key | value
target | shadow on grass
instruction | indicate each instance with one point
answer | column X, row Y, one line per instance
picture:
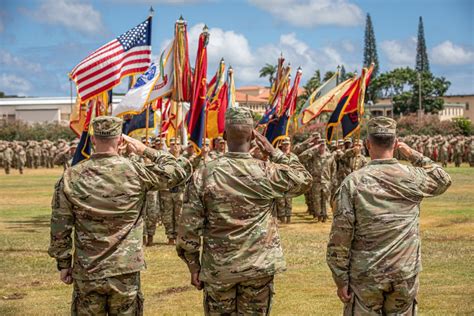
column 28, row 225
column 172, row 290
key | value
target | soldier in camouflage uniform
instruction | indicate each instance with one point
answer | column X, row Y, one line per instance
column 231, row 207
column 172, row 199
column 374, row 244
column 3, row 146
column 101, row 199
column 20, row 157
column 298, row 150
column 36, row 151
column 323, row 170
column 458, row 151
column 219, row 149
column 284, row 205
column 8, row 158
column 471, row 152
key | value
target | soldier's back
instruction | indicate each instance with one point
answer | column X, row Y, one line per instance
column 107, row 196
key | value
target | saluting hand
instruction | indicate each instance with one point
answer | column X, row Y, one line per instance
column 134, row 146
column 265, row 146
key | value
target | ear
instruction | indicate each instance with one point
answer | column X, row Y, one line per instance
column 367, row 143
column 395, row 144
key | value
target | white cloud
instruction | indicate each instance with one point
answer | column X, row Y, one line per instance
column 448, row 53
column 8, row 60
column 400, row 53
column 71, row 14
column 310, row 13
column 248, row 61
column 12, row 84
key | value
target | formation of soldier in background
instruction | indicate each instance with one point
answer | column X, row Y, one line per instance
column 36, row 154
column 442, row 149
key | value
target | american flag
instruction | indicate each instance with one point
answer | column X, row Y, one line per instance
column 128, row 54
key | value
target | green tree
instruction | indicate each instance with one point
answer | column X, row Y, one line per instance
column 328, row 75
column 464, row 125
column 2, row 94
column 370, row 47
column 422, row 63
column 401, row 84
column 268, row 71
column 370, row 56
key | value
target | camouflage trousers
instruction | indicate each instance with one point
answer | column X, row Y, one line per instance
column 117, row 295
column 252, row 297
column 308, row 200
column 7, row 165
column 457, row 159
column 320, row 194
column 152, row 213
column 390, row 298
column 284, row 206
column 171, row 206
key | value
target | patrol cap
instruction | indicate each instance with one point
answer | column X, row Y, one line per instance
column 174, row 140
column 107, row 126
column 207, row 141
column 348, row 141
column 238, row 116
column 219, row 140
column 316, row 134
column 321, row 141
column 382, row 125
column 286, row 141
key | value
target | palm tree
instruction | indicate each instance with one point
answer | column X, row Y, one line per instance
column 268, row 70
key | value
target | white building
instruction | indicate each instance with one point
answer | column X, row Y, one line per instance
column 452, row 110
column 34, row 110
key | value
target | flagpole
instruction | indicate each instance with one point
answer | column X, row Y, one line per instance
column 147, row 118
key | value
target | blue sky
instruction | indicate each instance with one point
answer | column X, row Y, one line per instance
column 42, row 40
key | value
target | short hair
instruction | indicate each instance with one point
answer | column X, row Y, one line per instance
column 384, row 141
column 106, row 140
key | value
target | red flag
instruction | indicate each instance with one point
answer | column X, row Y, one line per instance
column 197, row 114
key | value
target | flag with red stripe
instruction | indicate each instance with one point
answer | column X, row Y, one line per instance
column 128, row 54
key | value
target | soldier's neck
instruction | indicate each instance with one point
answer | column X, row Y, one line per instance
column 381, row 155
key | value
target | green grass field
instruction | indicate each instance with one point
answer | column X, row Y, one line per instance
column 29, row 282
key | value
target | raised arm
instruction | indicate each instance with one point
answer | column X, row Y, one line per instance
column 431, row 178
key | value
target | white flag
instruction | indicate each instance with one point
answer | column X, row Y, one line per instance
column 156, row 81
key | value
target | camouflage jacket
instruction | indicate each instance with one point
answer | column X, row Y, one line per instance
column 322, row 167
column 103, row 199
column 230, row 205
column 375, row 231
column 8, row 154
